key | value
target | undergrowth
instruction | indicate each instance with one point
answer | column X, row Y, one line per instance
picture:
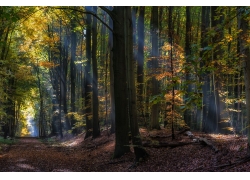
column 7, row 141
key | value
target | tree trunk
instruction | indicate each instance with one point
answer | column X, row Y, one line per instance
column 73, row 73
column 187, row 113
column 95, row 103
column 216, row 56
column 170, row 40
column 154, row 67
column 136, row 140
column 60, row 83
column 112, row 96
column 245, row 61
column 64, row 88
column 87, row 79
column 238, row 81
column 120, row 86
column 140, row 57
column 205, row 22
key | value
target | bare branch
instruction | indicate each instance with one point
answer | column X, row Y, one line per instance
column 87, row 12
column 110, row 13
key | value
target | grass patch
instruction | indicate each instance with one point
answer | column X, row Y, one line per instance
column 7, row 141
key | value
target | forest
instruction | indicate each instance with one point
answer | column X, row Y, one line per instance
column 124, row 88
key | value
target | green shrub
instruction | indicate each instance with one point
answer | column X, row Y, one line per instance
column 7, row 141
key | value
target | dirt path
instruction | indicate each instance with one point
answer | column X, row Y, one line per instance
column 31, row 155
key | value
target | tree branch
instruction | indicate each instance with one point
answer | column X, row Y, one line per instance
column 108, row 12
column 87, row 12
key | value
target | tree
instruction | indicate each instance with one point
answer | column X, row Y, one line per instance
column 87, row 78
column 140, row 56
column 111, row 70
column 244, row 57
column 187, row 113
column 136, row 140
column 95, row 103
column 215, row 21
column 205, row 21
column 120, row 86
column 154, row 65
column 73, row 71
column 170, row 40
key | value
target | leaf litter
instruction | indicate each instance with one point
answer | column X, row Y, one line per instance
column 74, row 154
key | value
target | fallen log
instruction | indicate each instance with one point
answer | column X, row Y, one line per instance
column 166, row 144
column 206, row 142
column 167, row 136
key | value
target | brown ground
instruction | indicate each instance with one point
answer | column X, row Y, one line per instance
column 76, row 154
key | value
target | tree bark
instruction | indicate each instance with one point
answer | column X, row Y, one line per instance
column 187, row 113
column 120, row 86
column 73, row 73
column 87, row 79
column 140, row 57
column 216, row 56
column 136, row 140
column 154, row 67
column 205, row 23
column 95, row 103
column 245, row 62
column 112, row 96
column 170, row 40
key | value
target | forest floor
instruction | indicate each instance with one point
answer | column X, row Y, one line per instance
column 79, row 155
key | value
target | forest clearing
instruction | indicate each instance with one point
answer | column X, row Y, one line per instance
column 124, row 88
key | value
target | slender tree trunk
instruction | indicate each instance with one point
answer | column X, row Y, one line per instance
column 216, row 55
column 64, row 88
column 136, row 140
column 198, row 77
column 112, row 96
column 154, row 67
column 87, row 79
column 41, row 132
column 238, row 81
column 10, row 109
column 245, row 61
column 140, row 58
column 187, row 113
column 73, row 73
column 95, row 103
column 170, row 40
column 60, row 82
column 205, row 23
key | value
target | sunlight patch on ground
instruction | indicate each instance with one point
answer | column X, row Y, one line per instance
column 25, row 166
column 226, row 136
column 61, row 170
column 73, row 142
